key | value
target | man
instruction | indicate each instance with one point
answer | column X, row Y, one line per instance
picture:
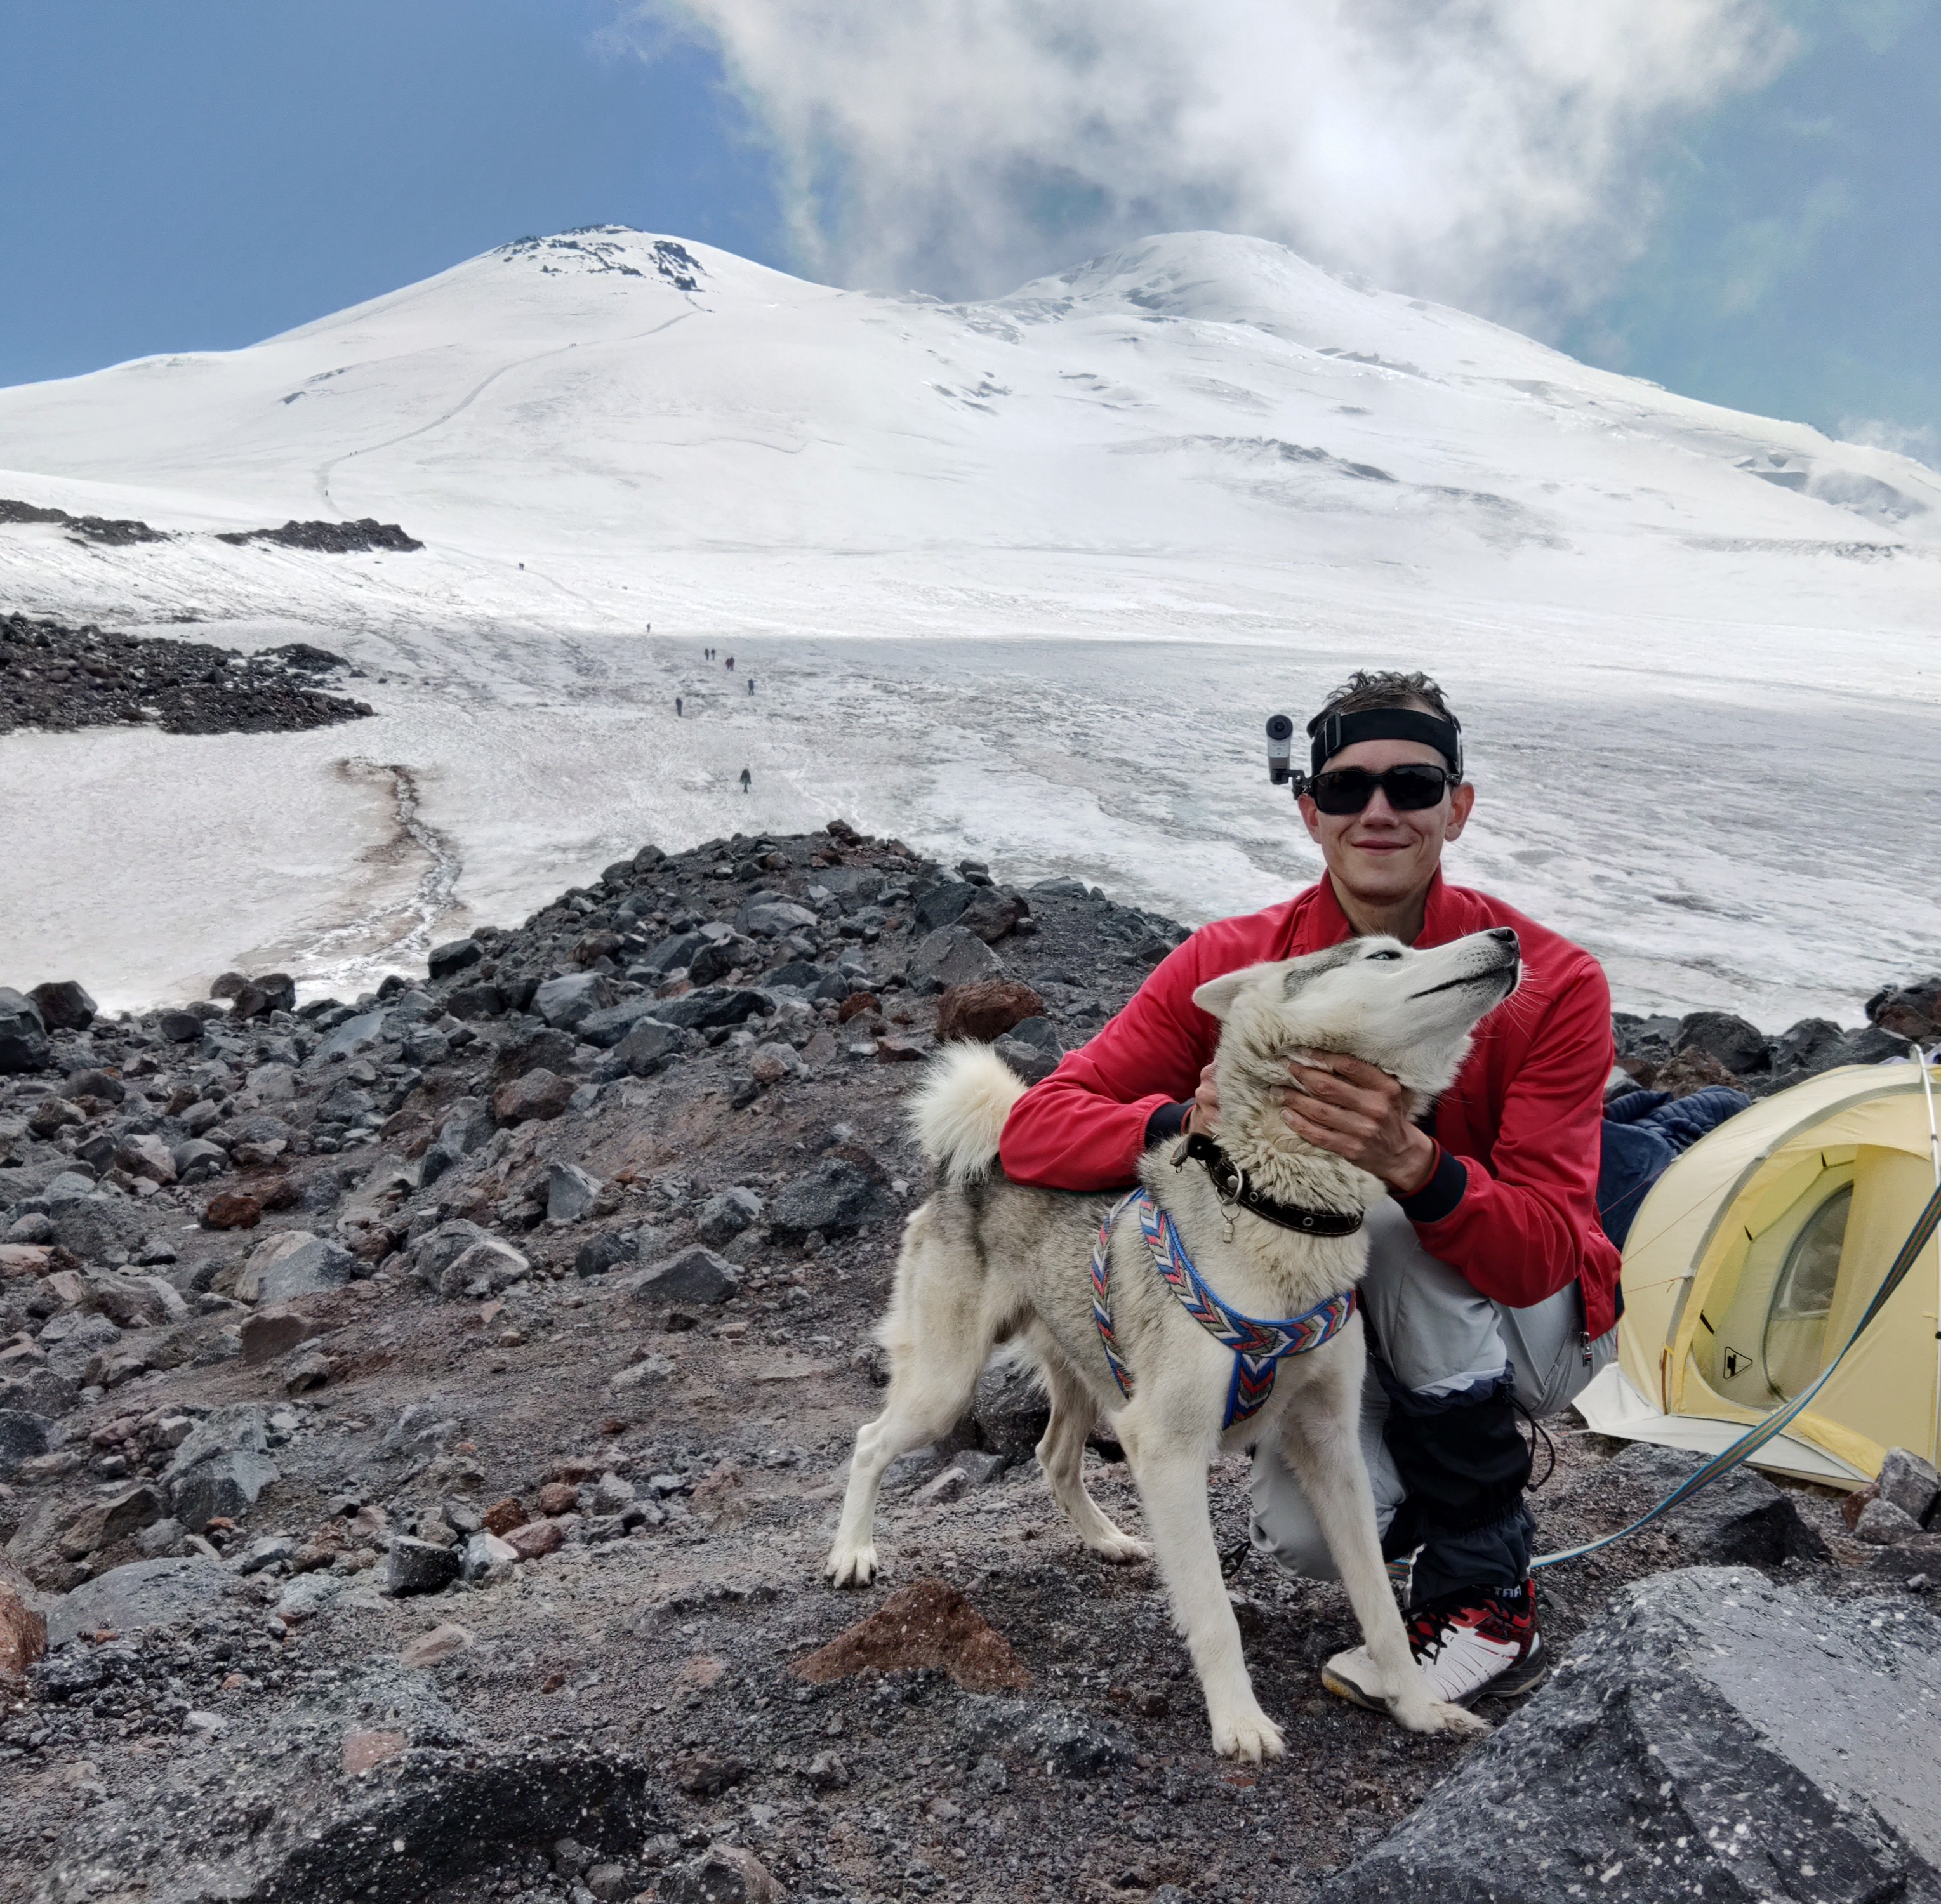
column 1491, row 1290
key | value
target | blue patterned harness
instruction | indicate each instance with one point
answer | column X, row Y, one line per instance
column 1257, row 1346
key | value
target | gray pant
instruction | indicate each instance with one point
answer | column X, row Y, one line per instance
column 1439, row 1339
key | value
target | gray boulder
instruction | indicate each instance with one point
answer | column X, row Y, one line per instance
column 713, row 1006
column 696, row 1274
column 952, row 955
column 1712, row 1736
column 220, row 1468
column 775, row 919
column 196, row 1160
column 96, row 1226
column 647, row 1047
column 563, row 1003
column 1740, row 1519
column 489, row 1266
column 24, row 1034
column 143, row 1593
column 608, row 1028
column 352, row 1036
column 295, row 1264
column 608, row 1251
column 466, row 1125
column 72, row 1341
column 834, row 1197
column 1740, row 1046
column 448, row 960
column 1910, row 1482
column 438, row 1249
column 1010, row 1410
column 571, row 1192
column 724, row 1217
column 943, row 903
column 39, row 1391
column 22, row 1436
column 721, row 958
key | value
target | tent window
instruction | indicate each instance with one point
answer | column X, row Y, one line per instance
column 1803, row 1295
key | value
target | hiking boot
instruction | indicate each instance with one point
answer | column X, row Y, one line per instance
column 1468, row 1644
column 1483, row 1640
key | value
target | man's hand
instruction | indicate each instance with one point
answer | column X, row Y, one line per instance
column 1361, row 1114
column 1203, row 1114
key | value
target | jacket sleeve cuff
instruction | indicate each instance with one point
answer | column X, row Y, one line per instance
column 1439, row 1197
column 1165, row 1122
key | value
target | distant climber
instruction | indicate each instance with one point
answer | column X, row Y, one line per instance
column 730, row 664
column 751, row 684
column 748, row 779
column 676, row 706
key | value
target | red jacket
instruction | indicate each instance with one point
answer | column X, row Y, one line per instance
column 1512, row 1204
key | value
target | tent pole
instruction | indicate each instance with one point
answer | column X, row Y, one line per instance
column 1921, row 1058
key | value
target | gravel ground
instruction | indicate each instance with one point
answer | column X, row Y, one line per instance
column 612, row 1711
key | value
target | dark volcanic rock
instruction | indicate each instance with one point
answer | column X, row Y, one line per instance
column 1740, row 1046
column 23, row 1035
column 59, row 679
column 64, row 1005
column 834, row 1197
column 331, row 538
column 1741, row 1519
column 1713, row 1737
column 712, row 1007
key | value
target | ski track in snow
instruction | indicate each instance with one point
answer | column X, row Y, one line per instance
column 1020, row 580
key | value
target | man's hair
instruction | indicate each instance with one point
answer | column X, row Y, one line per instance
column 1371, row 688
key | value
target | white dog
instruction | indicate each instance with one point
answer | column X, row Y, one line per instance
column 986, row 1261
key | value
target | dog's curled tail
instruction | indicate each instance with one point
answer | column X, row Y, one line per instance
column 959, row 1110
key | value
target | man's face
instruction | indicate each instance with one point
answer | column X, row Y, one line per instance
column 1379, row 856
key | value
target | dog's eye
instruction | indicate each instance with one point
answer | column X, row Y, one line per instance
column 1384, row 954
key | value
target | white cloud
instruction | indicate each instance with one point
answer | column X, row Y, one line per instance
column 1490, row 152
column 1922, row 441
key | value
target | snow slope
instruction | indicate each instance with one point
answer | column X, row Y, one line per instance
column 1662, row 616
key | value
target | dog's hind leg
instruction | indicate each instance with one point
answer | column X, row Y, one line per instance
column 938, row 1332
column 1172, row 1483
column 1061, row 1455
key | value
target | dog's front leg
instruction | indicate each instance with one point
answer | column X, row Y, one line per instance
column 1173, row 1488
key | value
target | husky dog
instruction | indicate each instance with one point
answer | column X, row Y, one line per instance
column 986, row 1261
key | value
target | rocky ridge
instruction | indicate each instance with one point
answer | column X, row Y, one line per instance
column 59, row 679
column 403, row 1399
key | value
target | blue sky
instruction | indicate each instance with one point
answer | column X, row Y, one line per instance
column 201, row 174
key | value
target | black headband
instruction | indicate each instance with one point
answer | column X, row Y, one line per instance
column 1332, row 732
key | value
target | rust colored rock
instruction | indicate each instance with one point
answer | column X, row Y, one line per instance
column 899, row 1051
column 558, row 1497
column 928, row 1624
column 231, row 1209
column 535, row 1538
column 280, row 1193
column 270, row 1333
column 364, row 1749
column 540, row 1095
column 23, row 1637
column 502, row 1516
column 855, row 1005
column 19, row 1261
column 985, row 1010
column 1855, row 1504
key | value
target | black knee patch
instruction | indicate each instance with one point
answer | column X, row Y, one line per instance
column 1461, row 1458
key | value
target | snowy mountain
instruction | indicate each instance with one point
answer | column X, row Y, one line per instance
column 1201, row 477
column 632, row 416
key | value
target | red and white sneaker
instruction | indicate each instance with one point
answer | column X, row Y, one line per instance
column 1482, row 1641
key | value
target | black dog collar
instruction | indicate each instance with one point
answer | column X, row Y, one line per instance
column 1231, row 1186
column 1330, row 733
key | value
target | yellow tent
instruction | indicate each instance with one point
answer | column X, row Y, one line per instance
column 1752, row 1259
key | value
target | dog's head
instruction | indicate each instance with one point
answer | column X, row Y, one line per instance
column 1409, row 1012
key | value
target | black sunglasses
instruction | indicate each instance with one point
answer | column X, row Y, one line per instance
column 1408, row 790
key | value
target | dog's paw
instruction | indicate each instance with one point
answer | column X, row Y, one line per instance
column 854, row 1566
column 1458, row 1723
column 1250, row 1735
column 1121, row 1549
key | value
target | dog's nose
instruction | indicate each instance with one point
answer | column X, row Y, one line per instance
column 1504, row 935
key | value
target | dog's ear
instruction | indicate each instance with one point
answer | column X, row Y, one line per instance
column 1215, row 998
